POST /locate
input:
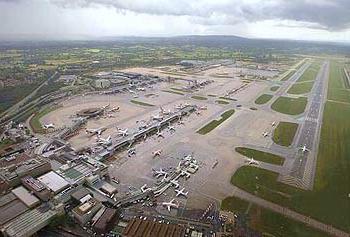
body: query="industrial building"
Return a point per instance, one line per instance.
(105, 222)
(84, 212)
(53, 182)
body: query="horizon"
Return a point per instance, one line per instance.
(306, 20)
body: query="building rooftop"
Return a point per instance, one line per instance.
(10, 207)
(53, 181)
(25, 196)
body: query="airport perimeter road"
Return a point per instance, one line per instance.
(305, 161)
(289, 213)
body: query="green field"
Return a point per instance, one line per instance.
(263, 99)
(310, 73)
(141, 103)
(288, 75)
(197, 97)
(288, 105)
(268, 222)
(222, 102)
(173, 92)
(227, 98)
(301, 88)
(337, 88)
(260, 155)
(274, 88)
(35, 120)
(284, 133)
(213, 124)
(234, 204)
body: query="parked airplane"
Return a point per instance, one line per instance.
(47, 126)
(131, 91)
(159, 173)
(114, 109)
(164, 111)
(122, 132)
(251, 161)
(157, 117)
(181, 192)
(175, 183)
(203, 107)
(185, 173)
(131, 151)
(304, 149)
(171, 128)
(95, 131)
(104, 141)
(140, 88)
(160, 134)
(157, 153)
(273, 123)
(265, 134)
(171, 204)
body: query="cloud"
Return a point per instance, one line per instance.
(333, 15)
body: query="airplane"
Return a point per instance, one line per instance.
(181, 192)
(164, 111)
(157, 153)
(131, 151)
(265, 134)
(131, 91)
(273, 123)
(252, 162)
(175, 183)
(114, 109)
(140, 88)
(203, 107)
(185, 173)
(47, 126)
(171, 128)
(171, 204)
(122, 132)
(304, 149)
(157, 117)
(105, 141)
(160, 134)
(188, 157)
(105, 107)
(93, 131)
(159, 173)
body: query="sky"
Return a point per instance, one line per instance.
(321, 20)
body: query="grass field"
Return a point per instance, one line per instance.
(213, 124)
(227, 98)
(141, 103)
(301, 88)
(222, 102)
(173, 92)
(234, 204)
(263, 99)
(274, 88)
(337, 89)
(291, 106)
(6, 142)
(310, 73)
(197, 97)
(284, 133)
(35, 120)
(260, 155)
(268, 222)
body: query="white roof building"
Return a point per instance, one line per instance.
(53, 181)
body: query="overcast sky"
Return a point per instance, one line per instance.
(326, 20)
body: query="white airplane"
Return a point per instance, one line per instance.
(131, 151)
(171, 128)
(157, 117)
(157, 153)
(105, 107)
(188, 157)
(140, 88)
(160, 134)
(175, 183)
(93, 131)
(273, 123)
(203, 107)
(265, 134)
(47, 126)
(131, 91)
(114, 109)
(105, 141)
(171, 204)
(185, 173)
(304, 149)
(251, 161)
(159, 173)
(164, 111)
(122, 132)
(181, 192)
